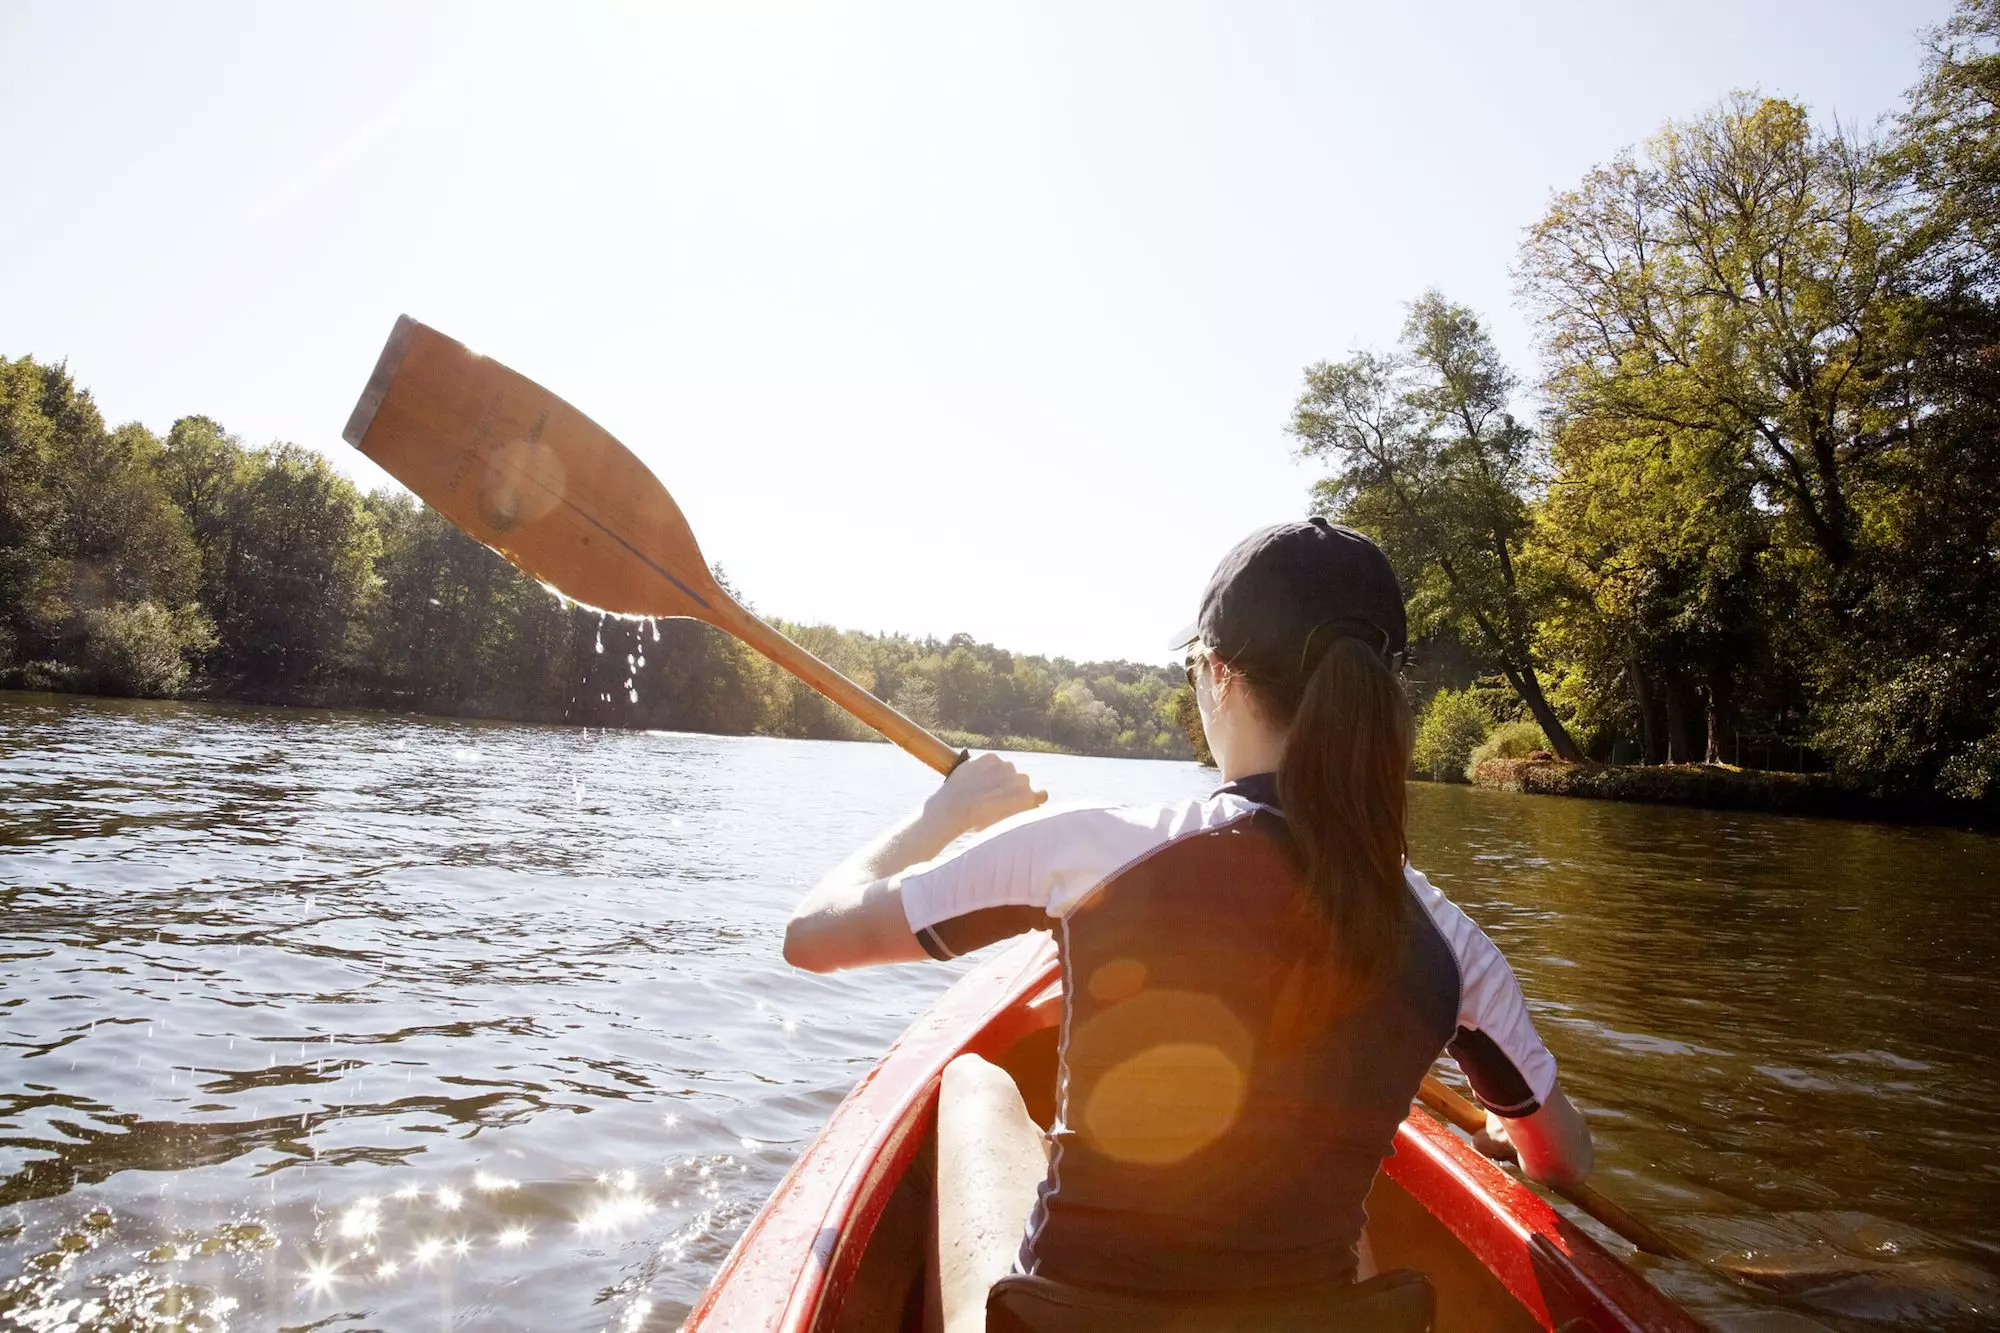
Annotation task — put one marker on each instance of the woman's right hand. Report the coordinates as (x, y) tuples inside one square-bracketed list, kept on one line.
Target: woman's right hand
[(980, 793)]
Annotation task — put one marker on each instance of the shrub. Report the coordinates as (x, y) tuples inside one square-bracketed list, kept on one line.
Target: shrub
[(142, 648), (45, 676), (1451, 726), (1509, 740)]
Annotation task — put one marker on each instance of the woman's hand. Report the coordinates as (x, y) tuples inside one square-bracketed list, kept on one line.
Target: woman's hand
[(979, 794), (1494, 1141), (1552, 1145)]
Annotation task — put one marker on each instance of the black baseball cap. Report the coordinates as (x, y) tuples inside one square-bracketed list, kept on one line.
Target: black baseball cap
[(1287, 587)]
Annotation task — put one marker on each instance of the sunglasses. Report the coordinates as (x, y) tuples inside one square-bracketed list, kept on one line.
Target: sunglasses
[(1194, 660)]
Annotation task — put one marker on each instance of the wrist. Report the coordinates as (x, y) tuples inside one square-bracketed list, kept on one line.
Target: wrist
[(941, 818)]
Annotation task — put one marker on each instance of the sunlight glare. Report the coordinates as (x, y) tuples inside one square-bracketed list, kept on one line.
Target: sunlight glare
[(322, 1274), (360, 1221)]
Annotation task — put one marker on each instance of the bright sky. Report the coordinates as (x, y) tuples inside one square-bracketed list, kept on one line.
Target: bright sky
[(933, 317)]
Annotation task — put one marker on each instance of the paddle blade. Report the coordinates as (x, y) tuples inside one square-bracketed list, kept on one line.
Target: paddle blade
[(530, 476)]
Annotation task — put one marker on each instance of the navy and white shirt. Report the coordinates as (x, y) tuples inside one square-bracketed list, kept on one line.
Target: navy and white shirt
[(1205, 1139)]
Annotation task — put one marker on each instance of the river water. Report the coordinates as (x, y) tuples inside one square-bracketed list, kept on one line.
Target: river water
[(339, 1020)]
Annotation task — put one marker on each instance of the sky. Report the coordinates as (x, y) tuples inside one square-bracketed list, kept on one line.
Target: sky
[(934, 318)]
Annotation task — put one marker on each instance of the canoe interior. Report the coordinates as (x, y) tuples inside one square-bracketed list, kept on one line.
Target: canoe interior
[(840, 1246), (888, 1288)]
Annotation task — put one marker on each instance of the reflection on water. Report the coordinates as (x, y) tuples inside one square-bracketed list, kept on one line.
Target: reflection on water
[(346, 1021)]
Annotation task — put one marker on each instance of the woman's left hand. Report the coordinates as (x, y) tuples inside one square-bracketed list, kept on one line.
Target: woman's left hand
[(980, 793), (1494, 1140)]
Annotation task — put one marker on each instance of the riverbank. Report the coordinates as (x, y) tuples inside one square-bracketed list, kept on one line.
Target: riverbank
[(1721, 787)]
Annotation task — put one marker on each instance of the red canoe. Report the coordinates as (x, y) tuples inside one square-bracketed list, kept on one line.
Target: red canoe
[(840, 1245)]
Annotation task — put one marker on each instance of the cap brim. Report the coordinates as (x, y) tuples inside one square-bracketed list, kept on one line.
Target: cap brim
[(1192, 634)]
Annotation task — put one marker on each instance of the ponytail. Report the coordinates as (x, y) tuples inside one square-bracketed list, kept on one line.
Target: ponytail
[(1341, 781)]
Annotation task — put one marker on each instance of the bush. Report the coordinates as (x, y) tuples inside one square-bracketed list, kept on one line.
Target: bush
[(1509, 740), (142, 648), (45, 677), (1451, 726)]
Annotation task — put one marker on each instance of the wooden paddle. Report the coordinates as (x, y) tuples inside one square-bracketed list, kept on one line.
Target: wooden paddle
[(1459, 1111), (541, 483)]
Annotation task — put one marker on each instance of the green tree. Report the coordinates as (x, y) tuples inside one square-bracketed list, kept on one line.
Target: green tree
[(1947, 155), (1654, 544), (298, 569), (94, 556), (202, 467), (1431, 463), (1735, 282), (1449, 729)]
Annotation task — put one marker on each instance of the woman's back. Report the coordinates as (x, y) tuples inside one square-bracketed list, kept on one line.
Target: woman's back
[(1221, 1111), (1216, 1131)]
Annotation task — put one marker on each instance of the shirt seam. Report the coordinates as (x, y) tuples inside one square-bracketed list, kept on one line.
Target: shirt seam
[(1153, 851)]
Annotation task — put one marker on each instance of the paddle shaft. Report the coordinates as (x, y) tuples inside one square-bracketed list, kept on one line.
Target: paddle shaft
[(838, 688), (1471, 1119)]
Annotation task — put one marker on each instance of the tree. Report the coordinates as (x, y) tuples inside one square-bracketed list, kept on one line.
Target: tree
[(1654, 546), (1450, 728), (125, 539), (96, 566), (1431, 463), (1079, 718), (1947, 154), (201, 467), (1735, 281), (30, 579), (298, 566)]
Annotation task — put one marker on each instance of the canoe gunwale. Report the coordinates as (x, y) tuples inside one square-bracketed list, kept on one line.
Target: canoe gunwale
[(799, 1255), (826, 1207)]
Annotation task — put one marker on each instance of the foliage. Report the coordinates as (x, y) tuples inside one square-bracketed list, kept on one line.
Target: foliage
[(1185, 712), (139, 566), (1509, 740), (141, 648), (1430, 462), (1450, 727), (1762, 510), (1947, 153)]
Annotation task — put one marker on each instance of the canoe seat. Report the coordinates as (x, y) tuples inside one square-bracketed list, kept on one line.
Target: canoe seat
[(1400, 1301)]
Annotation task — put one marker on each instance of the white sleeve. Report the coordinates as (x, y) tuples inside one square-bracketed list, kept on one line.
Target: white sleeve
[(1046, 861), (1496, 1043)]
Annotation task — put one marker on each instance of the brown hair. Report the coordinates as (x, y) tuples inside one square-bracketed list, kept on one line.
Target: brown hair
[(1341, 781)]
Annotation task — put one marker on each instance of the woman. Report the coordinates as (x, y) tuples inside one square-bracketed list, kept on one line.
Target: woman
[(1254, 983)]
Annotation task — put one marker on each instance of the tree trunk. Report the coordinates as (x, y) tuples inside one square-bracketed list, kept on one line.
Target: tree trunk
[(1647, 708), (1529, 687), (1721, 704), (1684, 719)]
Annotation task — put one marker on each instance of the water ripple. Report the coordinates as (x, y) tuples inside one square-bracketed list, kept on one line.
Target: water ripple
[(339, 1020)]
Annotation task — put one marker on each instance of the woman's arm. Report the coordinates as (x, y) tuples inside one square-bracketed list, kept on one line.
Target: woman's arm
[(1553, 1145), (854, 916)]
